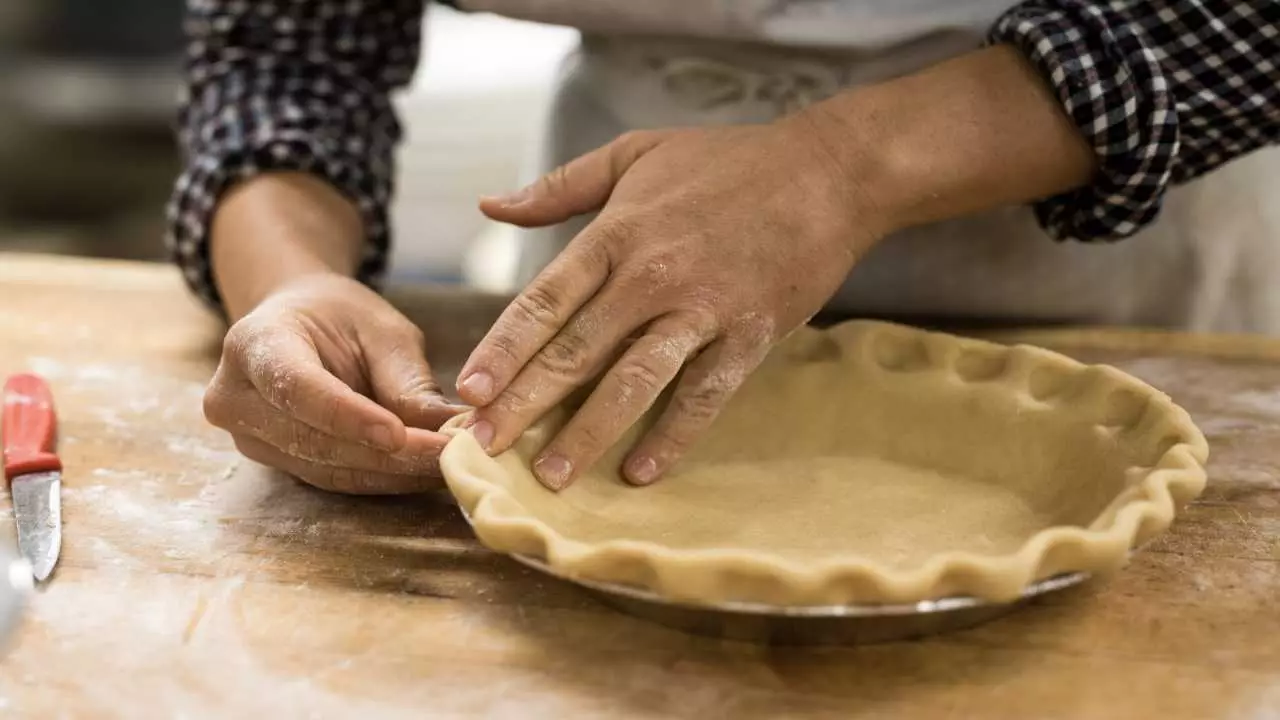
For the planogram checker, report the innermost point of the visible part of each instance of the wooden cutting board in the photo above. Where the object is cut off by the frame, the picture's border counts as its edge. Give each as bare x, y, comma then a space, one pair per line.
196, 584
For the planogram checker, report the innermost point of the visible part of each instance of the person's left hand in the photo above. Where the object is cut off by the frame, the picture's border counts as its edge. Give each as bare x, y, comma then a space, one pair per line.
712, 244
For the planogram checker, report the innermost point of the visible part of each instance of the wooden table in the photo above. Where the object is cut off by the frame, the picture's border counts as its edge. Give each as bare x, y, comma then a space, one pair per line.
196, 584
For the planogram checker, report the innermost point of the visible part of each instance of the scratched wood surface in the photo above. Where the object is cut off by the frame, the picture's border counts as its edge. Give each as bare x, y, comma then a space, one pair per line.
196, 584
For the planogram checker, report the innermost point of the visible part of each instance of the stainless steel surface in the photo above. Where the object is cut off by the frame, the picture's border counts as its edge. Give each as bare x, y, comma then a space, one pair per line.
805, 625
15, 590
37, 511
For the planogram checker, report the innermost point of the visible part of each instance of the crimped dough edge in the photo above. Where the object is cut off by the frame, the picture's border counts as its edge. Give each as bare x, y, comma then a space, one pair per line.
1134, 517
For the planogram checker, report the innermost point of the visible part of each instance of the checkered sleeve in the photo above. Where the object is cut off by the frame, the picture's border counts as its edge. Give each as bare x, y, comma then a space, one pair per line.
287, 85
1164, 90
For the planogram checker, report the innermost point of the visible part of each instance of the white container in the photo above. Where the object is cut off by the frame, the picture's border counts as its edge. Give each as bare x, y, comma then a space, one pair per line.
469, 121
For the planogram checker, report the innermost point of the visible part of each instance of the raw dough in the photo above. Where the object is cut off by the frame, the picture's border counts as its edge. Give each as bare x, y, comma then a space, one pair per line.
867, 463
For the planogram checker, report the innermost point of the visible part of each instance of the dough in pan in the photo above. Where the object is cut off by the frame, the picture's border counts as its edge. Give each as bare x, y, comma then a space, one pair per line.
866, 463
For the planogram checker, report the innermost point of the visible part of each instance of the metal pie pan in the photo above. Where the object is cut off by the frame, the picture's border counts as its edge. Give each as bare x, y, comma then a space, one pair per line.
804, 625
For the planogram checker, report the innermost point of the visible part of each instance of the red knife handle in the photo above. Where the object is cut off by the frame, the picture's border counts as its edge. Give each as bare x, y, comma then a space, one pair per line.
30, 427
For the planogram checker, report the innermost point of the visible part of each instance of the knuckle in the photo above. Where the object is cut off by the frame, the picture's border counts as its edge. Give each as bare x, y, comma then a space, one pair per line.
335, 479
695, 408
279, 387
352, 482
652, 272
387, 463
307, 444
618, 232
753, 331
330, 412
503, 342
422, 465
660, 277
235, 340
557, 181
541, 303
630, 138
416, 388
633, 140
702, 316
640, 378
702, 401
565, 355
240, 339
592, 253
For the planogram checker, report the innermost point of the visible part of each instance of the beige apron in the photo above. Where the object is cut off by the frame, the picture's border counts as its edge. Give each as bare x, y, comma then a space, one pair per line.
1209, 263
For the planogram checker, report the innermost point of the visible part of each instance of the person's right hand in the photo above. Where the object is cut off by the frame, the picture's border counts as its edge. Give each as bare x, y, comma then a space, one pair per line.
326, 381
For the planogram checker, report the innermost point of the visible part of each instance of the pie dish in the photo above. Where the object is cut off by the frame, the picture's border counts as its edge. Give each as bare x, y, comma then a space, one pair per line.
868, 463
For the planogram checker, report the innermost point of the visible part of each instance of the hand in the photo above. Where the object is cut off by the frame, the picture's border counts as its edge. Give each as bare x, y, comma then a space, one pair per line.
327, 382
712, 244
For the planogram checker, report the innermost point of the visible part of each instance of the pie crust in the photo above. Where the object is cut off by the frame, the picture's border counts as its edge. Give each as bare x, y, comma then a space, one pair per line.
868, 463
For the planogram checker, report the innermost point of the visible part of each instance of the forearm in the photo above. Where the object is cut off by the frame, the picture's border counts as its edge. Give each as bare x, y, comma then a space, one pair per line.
278, 90
1164, 90
1159, 92
276, 228
970, 134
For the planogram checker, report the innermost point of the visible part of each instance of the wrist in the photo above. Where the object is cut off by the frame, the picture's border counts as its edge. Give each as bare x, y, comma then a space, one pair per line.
861, 175
971, 134
277, 228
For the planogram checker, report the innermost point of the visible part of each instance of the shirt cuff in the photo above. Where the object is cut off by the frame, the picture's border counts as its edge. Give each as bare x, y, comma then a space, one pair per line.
1114, 89
226, 156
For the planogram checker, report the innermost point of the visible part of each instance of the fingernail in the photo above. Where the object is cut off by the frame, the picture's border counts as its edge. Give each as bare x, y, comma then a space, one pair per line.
431, 401
642, 470
479, 384
440, 402
553, 471
380, 436
517, 197
482, 431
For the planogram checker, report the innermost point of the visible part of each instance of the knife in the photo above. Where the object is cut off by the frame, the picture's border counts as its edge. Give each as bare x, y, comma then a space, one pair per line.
33, 470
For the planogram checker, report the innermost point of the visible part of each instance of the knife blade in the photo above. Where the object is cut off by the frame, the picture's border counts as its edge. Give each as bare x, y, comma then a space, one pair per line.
33, 470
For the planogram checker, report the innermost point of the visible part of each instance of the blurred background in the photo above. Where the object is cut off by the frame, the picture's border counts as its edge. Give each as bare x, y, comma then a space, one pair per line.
87, 155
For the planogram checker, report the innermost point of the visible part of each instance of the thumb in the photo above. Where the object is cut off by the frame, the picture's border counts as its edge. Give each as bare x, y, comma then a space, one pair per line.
401, 381
580, 186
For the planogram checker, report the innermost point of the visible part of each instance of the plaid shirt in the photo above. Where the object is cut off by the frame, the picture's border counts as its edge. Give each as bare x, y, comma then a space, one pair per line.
1164, 90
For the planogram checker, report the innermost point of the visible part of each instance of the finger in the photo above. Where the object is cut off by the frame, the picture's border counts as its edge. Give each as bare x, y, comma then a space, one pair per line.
251, 416
401, 380
286, 370
334, 479
569, 360
701, 393
622, 397
534, 317
580, 186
